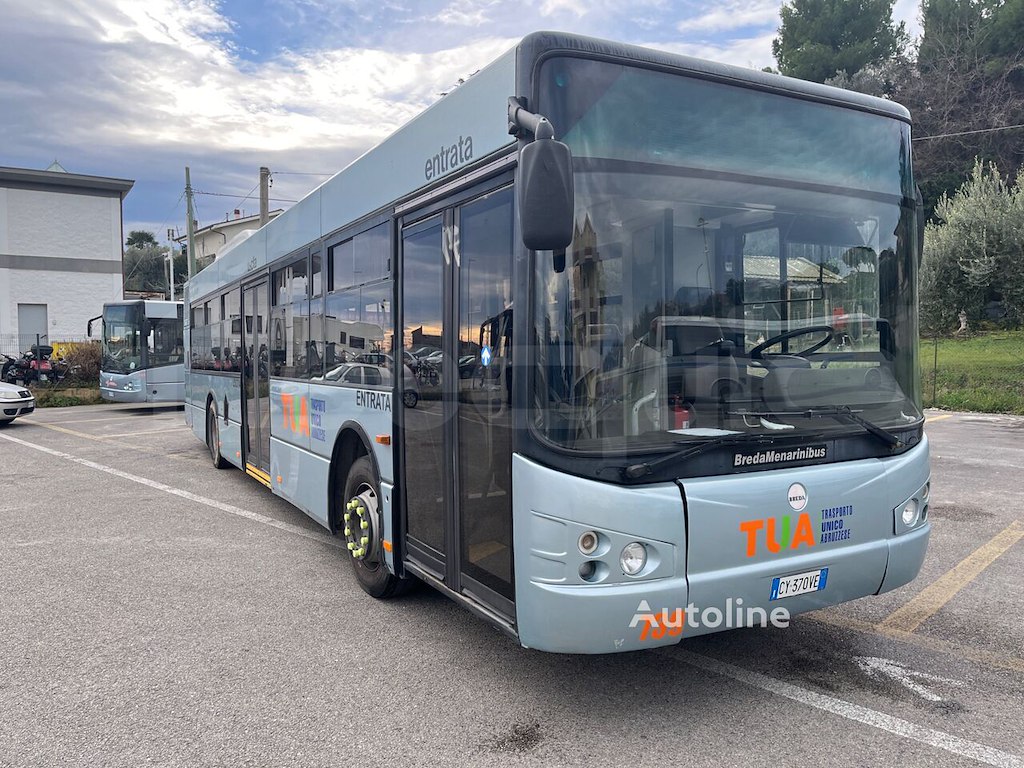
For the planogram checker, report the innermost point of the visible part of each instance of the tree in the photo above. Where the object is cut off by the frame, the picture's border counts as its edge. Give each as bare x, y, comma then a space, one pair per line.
969, 78
974, 254
138, 238
144, 267
819, 38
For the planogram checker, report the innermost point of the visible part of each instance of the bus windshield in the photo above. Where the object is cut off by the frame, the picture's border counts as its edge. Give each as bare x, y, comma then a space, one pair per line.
122, 348
744, 263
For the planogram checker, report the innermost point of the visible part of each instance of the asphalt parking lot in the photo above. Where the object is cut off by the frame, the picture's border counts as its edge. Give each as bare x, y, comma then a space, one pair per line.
156, 611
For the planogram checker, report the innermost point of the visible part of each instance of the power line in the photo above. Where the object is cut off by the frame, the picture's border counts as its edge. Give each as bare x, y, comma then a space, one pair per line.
223, 194
298, 173
968, 133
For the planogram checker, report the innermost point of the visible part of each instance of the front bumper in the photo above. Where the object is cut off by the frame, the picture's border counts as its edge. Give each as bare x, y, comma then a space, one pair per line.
122, 396
705, 573
11, 409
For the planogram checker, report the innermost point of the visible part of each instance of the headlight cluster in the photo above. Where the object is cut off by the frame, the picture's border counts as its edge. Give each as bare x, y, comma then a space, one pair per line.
633, 558
7, 395
912, 512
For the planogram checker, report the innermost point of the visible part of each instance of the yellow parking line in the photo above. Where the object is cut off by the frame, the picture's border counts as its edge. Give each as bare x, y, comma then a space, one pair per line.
129, 417
938, 417
102, 439
929, 600
177, 428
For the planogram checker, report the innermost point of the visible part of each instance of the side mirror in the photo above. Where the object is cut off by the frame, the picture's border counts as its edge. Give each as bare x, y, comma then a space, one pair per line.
546, 195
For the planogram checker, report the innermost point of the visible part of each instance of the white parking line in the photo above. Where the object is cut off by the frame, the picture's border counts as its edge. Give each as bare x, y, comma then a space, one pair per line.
255, 517
894, 725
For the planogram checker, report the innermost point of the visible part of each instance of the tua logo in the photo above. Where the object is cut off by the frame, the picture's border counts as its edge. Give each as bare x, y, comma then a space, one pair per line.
295, 414
654, 626
779, 534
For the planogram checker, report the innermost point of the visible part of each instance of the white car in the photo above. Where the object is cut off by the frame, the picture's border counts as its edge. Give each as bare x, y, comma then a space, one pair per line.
15, 401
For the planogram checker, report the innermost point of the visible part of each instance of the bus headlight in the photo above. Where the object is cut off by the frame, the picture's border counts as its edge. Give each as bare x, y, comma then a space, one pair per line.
633, 558
909, 513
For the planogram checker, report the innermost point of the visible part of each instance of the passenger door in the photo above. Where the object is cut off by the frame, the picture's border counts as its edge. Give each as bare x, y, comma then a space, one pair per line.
256, 379
457, 440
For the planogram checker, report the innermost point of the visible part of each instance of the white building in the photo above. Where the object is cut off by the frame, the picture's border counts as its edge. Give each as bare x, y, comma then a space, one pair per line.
211, 239
60, 252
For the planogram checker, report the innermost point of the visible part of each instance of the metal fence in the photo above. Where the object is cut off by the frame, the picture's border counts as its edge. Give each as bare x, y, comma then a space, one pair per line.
14, 344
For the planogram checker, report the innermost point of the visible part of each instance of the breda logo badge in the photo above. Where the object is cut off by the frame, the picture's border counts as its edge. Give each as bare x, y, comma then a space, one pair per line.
797, 497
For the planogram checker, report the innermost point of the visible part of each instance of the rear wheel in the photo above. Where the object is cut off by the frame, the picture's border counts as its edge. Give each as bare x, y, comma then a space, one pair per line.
360, 524
213, 438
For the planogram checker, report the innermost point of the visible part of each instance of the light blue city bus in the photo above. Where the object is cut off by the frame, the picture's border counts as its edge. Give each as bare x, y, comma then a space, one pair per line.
143, 351
660, 315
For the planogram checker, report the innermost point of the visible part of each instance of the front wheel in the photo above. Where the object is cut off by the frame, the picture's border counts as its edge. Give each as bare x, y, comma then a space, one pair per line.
360, 524
213, 439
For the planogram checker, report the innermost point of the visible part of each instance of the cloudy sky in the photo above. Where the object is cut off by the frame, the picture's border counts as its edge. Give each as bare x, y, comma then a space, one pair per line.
139, 89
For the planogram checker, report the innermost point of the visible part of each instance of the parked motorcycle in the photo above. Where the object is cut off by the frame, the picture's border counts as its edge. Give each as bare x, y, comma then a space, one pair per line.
8, 365
32, 367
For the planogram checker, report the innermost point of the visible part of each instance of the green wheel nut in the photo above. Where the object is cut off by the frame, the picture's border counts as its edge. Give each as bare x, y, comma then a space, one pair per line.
363, 524
352, 546
365, 540
348, 516
348, 531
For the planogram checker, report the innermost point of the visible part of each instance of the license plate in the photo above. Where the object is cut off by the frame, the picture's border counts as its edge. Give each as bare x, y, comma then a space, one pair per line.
798, 584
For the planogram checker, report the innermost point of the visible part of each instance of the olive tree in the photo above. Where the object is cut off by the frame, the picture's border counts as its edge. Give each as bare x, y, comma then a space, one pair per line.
974, 253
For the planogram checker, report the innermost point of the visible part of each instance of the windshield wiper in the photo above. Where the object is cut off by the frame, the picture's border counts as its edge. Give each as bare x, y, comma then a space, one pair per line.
636, 471
847, 413
843, 412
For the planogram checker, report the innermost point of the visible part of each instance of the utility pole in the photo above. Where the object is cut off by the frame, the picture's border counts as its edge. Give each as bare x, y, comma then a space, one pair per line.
190, 227
264, 195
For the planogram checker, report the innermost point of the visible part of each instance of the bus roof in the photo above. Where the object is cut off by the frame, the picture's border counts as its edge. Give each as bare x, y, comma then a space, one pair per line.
469, 124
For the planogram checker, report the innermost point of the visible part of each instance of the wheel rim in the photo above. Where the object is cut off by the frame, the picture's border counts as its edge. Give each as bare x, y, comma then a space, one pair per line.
362, 528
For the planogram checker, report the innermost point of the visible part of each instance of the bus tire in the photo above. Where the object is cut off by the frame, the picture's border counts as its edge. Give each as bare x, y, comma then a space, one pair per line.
213, 438
371, 572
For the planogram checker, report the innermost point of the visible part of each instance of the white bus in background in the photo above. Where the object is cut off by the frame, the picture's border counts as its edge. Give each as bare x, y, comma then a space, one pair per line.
143, 352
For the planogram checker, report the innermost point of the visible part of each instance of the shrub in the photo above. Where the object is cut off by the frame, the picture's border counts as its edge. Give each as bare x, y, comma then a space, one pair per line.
83, 361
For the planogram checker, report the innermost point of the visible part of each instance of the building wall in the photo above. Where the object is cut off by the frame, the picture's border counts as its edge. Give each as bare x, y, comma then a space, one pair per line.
72, 299
43, 233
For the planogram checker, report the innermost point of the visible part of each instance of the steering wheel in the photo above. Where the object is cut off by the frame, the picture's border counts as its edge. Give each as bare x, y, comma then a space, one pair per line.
757, 353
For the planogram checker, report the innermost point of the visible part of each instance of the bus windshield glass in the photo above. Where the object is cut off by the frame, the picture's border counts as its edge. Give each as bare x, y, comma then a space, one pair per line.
743, 263
122, 348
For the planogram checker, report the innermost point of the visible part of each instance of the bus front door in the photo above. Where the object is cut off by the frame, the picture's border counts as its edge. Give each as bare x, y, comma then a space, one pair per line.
457, 437
256, 381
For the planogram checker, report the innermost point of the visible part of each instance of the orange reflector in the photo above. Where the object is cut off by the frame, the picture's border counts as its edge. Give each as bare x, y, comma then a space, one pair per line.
384, 439
278, 479
387, 545
238, 454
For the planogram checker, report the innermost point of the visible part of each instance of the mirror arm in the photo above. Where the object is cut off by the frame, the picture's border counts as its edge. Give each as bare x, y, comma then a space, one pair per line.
519, 119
